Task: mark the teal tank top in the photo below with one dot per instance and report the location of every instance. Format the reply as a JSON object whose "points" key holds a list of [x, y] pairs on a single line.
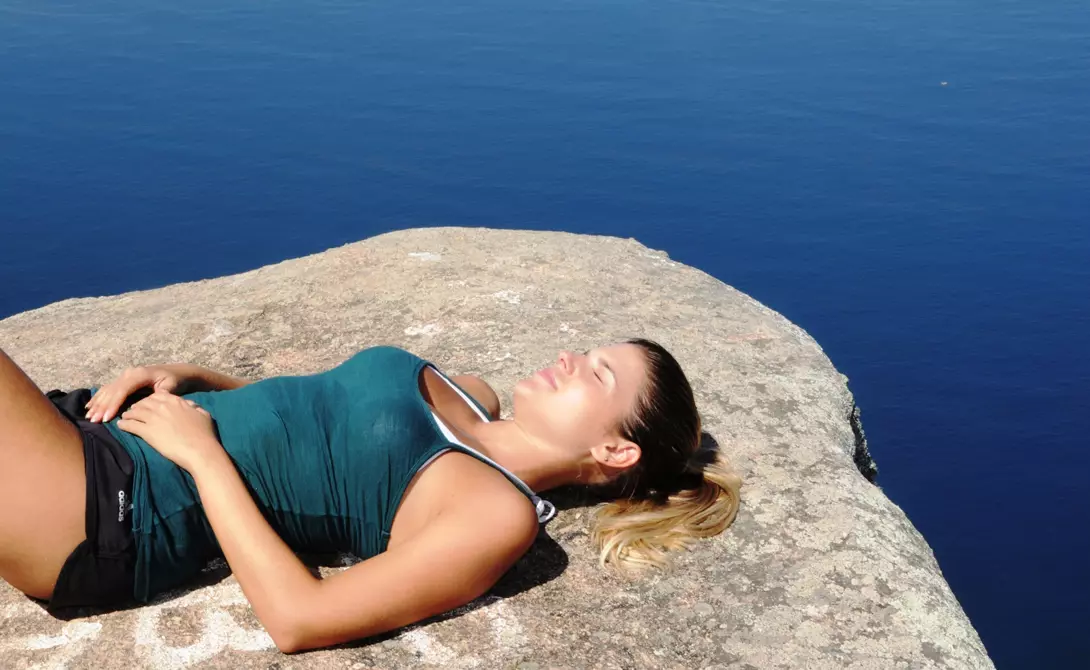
{"points": [[326, 457]]}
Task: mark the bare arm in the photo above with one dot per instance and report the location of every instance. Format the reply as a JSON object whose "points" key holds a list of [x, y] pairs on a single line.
{"points": [[465, 548], [458, 557], [274, 580], [203, 379]]}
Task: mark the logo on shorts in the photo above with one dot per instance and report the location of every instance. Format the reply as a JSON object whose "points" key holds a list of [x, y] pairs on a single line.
{"points": [[121, 506]]}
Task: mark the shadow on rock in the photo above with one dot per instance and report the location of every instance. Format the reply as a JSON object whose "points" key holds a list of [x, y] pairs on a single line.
{"points": [[545, 561], [215, 573]]}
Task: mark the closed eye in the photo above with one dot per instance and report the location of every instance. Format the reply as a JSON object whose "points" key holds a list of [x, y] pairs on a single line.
{"points": [[595, 370]]}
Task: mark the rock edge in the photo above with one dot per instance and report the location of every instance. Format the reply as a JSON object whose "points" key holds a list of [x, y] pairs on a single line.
{"points": [[821, 570]]}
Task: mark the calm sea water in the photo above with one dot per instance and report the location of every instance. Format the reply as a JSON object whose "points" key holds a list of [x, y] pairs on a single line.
{"points": [[906, 179]]}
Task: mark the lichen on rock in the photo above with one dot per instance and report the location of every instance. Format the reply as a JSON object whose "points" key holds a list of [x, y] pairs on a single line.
{"points": [[820, 570]]}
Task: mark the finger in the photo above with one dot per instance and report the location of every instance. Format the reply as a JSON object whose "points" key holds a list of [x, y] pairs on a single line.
{"points": [[126, 384], [160, 398], [158, 403], [110, 407], [139, 412], [169, 385], [137, 428], [177, 401], [98, 392], [93, 403], [152, 400], [103, 402], [106, 407], [110, 397]]}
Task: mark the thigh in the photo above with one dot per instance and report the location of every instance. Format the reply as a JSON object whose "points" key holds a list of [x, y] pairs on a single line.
{"points": [[42, 485]]}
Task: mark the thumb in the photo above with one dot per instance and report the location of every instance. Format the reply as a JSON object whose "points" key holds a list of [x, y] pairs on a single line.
{"points": [[166, 383]]}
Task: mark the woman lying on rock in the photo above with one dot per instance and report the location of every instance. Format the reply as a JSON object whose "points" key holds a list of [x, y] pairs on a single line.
{"points": [[383, 456]]}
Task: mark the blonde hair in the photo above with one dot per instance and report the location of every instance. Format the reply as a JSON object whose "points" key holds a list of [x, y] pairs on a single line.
{"points": [[677, 491], [633, 535]]}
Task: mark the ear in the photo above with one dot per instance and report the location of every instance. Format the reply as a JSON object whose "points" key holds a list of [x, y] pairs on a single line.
{"points": [[616, 456]]}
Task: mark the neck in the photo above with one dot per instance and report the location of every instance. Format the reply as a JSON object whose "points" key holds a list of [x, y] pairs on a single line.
{"points": [[540, 466]]}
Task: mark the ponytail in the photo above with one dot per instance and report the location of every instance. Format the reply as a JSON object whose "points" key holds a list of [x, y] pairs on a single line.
{"points": [[633, 535]]}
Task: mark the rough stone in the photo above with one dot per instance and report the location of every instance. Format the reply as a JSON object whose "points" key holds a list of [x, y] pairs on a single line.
{"points": [[820, 570]]}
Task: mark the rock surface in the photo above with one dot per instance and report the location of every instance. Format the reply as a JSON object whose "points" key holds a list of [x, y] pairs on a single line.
{"points": [[820, 570]]}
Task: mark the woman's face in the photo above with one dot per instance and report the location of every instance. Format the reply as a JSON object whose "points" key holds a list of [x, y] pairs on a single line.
{"points": [[580, 400]]}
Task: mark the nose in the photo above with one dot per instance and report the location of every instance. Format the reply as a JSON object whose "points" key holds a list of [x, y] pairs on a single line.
{"points": [[565, 361]]}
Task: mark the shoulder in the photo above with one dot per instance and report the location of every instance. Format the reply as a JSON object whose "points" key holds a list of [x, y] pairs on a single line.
{"points": [[487, 495], [459, 491], [487, 513], [504, 527], [481, 392]]}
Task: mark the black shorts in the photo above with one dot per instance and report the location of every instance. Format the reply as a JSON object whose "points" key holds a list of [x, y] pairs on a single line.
{"points": [[99, 573]]}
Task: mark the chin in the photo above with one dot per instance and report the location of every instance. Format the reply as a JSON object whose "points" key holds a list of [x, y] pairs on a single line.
{"points": [[532, 383], [525, 393], [523, 388]]}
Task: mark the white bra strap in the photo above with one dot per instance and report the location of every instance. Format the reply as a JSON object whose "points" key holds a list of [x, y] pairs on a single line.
{"points": [[545, 509]]}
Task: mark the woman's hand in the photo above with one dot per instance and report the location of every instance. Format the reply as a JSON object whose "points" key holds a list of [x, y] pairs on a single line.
{"points": [[108, 399], [177, 428]]}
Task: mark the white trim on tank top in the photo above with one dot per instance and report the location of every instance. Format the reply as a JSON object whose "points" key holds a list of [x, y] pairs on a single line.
{"points": [[545, 509]]}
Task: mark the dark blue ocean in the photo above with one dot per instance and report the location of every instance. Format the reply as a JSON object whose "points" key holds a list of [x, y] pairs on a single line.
{"points": [[909, 180]]}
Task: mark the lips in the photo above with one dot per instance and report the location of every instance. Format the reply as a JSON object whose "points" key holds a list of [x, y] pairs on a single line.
{"points": [[549, 376]]}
